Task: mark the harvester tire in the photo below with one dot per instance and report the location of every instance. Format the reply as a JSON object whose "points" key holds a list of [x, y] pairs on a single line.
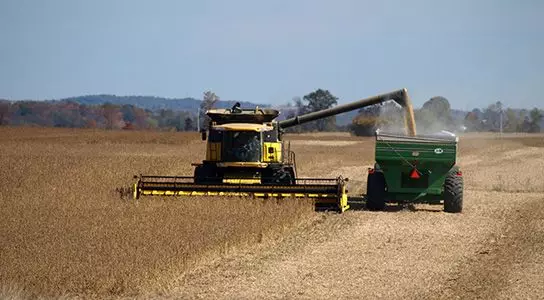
{"points": [[375, 191], [286, 175], [453, 192], [281, 175], [205, 175]]}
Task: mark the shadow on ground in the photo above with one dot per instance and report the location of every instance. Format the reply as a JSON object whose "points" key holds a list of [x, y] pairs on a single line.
{"points": [[358, 203]]}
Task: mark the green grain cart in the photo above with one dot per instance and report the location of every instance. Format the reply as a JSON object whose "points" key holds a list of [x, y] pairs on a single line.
{"points": [[415, 169]]}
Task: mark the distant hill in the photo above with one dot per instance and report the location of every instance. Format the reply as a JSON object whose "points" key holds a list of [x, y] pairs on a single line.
{"points": [[154, 103]]}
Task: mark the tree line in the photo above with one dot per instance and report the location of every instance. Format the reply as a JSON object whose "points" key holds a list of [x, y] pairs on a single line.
{"points": [[71, 114], [435, 115]]}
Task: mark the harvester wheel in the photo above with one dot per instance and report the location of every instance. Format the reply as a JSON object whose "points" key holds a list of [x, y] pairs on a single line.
{"points": [[205, 175], [286, 175], [375, 191], [281, 175], [453, 192]]}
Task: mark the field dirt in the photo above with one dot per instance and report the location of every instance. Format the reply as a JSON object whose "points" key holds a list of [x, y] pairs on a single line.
{"points": [[493, 250], [65, 232]]}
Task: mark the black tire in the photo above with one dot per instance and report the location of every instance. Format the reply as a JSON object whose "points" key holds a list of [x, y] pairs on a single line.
{"points": [[287, 175], [205, 174], [453, 192], [279, 175], [375, 191]]}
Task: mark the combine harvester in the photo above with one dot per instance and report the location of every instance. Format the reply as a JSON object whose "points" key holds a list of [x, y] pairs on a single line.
{"points": [[246, 157]]}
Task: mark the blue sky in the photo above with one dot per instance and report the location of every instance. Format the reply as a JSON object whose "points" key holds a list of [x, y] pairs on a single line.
{"points": [[471, 52]]}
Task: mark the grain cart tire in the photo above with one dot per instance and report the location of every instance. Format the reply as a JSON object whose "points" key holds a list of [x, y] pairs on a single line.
{"points": [[453, 192], [375, 191]]}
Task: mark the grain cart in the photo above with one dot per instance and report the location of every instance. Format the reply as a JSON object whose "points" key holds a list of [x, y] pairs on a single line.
{"points": [[416, 169]]}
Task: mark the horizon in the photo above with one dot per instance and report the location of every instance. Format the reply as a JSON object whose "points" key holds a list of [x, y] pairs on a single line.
{"points": [[473, 54], [279, 105]]}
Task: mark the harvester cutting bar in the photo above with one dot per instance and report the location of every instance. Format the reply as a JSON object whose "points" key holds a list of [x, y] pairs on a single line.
{"points": [[327, 193]]}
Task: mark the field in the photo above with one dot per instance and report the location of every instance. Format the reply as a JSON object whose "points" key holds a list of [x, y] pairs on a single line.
{"points": [[65, 232]]}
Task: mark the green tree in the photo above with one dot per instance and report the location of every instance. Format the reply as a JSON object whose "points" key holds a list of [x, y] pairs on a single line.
{"points": [[439, 105], [435, 115], [492, 116], [319, 100], [513, 122], [536, 118], [128, 113]]}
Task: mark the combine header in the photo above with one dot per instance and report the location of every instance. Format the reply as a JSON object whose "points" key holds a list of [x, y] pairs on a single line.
{"points": [[327, 192], [245, 156]]}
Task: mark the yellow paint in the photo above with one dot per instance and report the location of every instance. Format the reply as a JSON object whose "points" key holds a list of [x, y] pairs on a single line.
{"points": [[339, 200], [343, 200], [272, 157], [243, 127], [196, 193], [136, 191], [213, 151], [253, 164], [242, 180], [409, 119]]}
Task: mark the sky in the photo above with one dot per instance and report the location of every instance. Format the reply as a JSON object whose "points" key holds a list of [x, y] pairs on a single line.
{"points": [[473, 52]]}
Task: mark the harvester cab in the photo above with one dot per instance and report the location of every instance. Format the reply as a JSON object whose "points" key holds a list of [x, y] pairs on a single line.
{"points": [[244, 146]]}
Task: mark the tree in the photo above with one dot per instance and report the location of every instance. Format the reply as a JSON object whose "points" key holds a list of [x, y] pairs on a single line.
{"points": [[90, 123], [367, 121], [4, 111], [387, 116], [435, 115], [472, 120], [319, 100], [439, 106], [112, 115], [208, 101], [492, 116], [140, 118], [189, 124], [128, 113], [536, 118], [299, 109], [513, 122]]}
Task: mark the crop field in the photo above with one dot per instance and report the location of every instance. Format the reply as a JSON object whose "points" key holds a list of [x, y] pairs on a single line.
{"points": [[66, 232]]}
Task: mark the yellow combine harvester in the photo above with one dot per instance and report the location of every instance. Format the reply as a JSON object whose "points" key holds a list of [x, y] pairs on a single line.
{"points": [[245, 156]]}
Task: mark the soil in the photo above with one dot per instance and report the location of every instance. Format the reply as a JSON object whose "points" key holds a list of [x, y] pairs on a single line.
{"points": [[494, 249]]}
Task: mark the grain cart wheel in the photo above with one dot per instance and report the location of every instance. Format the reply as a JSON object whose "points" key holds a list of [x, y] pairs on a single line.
{"points": [[375, 191], [453, 191]]}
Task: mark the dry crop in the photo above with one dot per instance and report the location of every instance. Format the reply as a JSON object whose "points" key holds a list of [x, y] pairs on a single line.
{"points": [[65, 231]]}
